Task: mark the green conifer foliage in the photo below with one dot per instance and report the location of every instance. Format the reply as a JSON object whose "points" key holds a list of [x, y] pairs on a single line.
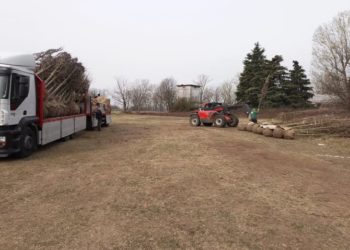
{"points": [[298, 88], [285, 88], [252, 77]]}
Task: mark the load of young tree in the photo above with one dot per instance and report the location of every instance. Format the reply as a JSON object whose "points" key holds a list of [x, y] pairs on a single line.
{"points": [[66, 82], [267, 83]]}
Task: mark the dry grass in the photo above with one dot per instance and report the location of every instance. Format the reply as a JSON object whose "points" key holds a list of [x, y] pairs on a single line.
{"points": [[157, 183]]}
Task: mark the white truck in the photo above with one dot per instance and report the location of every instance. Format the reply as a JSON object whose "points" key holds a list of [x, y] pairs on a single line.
{"points": [[23, 126]]}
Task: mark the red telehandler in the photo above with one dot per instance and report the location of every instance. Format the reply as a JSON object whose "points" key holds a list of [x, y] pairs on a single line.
{"points": [[217, 114]]}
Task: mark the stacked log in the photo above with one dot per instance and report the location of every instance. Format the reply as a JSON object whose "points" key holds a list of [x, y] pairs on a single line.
{"points": [[66, 82]]}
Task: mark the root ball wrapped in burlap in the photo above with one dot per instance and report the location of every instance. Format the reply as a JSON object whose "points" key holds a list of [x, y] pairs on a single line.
{"points": [[260, 130], [289, 134], [242, 127], [250, 126], [278, 133], [255, 128], [267, 132]]}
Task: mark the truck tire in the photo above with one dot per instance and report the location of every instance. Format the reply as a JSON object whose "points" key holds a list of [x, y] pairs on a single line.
{"points": [[28, 142], [195, 121], [234, 121], [219, 121]]}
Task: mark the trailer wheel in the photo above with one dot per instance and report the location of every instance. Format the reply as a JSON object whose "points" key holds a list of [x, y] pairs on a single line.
{"points": [[28, 142], [234, 121], [219, 121], [194, 120]]}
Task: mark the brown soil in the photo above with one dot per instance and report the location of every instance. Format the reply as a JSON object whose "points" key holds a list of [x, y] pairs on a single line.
{"points": [[150, 182]]}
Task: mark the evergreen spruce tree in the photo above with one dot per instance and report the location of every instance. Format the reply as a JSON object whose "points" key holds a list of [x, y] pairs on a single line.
{"points": [[253, 77], [285, 88], [297, 89], [278, 76]]}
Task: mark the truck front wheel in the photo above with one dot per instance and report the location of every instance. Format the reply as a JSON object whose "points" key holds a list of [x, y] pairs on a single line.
{"points": [[28, 142]]}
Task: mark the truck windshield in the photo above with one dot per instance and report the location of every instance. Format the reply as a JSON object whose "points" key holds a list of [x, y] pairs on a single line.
{"points": [[4, 86]]}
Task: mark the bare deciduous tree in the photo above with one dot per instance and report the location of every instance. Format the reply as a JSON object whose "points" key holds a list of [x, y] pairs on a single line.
{"points": [[140, 94], [217, 94], [122, 94], [157, 99], [202, 81], [228, 92], [167, 93], [331, 57], [208, 94]]}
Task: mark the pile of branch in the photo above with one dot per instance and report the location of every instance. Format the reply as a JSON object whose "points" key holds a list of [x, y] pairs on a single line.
{"points": [[323, 122], [66, 82]]}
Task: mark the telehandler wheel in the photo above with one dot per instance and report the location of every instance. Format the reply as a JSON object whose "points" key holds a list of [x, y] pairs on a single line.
{"points": [[207, 124], [234, 121], [219, 121], [194, 120], [28, 143]]}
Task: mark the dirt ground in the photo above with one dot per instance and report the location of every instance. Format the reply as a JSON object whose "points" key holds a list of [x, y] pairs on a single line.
{"points": [[151, 182]]}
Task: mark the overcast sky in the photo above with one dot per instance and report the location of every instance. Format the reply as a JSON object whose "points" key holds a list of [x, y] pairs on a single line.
{"points": [[154, 39]]}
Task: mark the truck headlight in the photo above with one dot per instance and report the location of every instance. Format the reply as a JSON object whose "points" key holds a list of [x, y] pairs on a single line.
{"points": [[2, 141], [3, 117]]}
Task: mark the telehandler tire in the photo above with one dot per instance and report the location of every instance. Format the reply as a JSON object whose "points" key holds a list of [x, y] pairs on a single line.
{"points": [[234, 121], [219, 121], [195, 121]]}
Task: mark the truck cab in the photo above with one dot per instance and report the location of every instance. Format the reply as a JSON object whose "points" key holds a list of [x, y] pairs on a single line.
{"points": [[18, 114]]}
